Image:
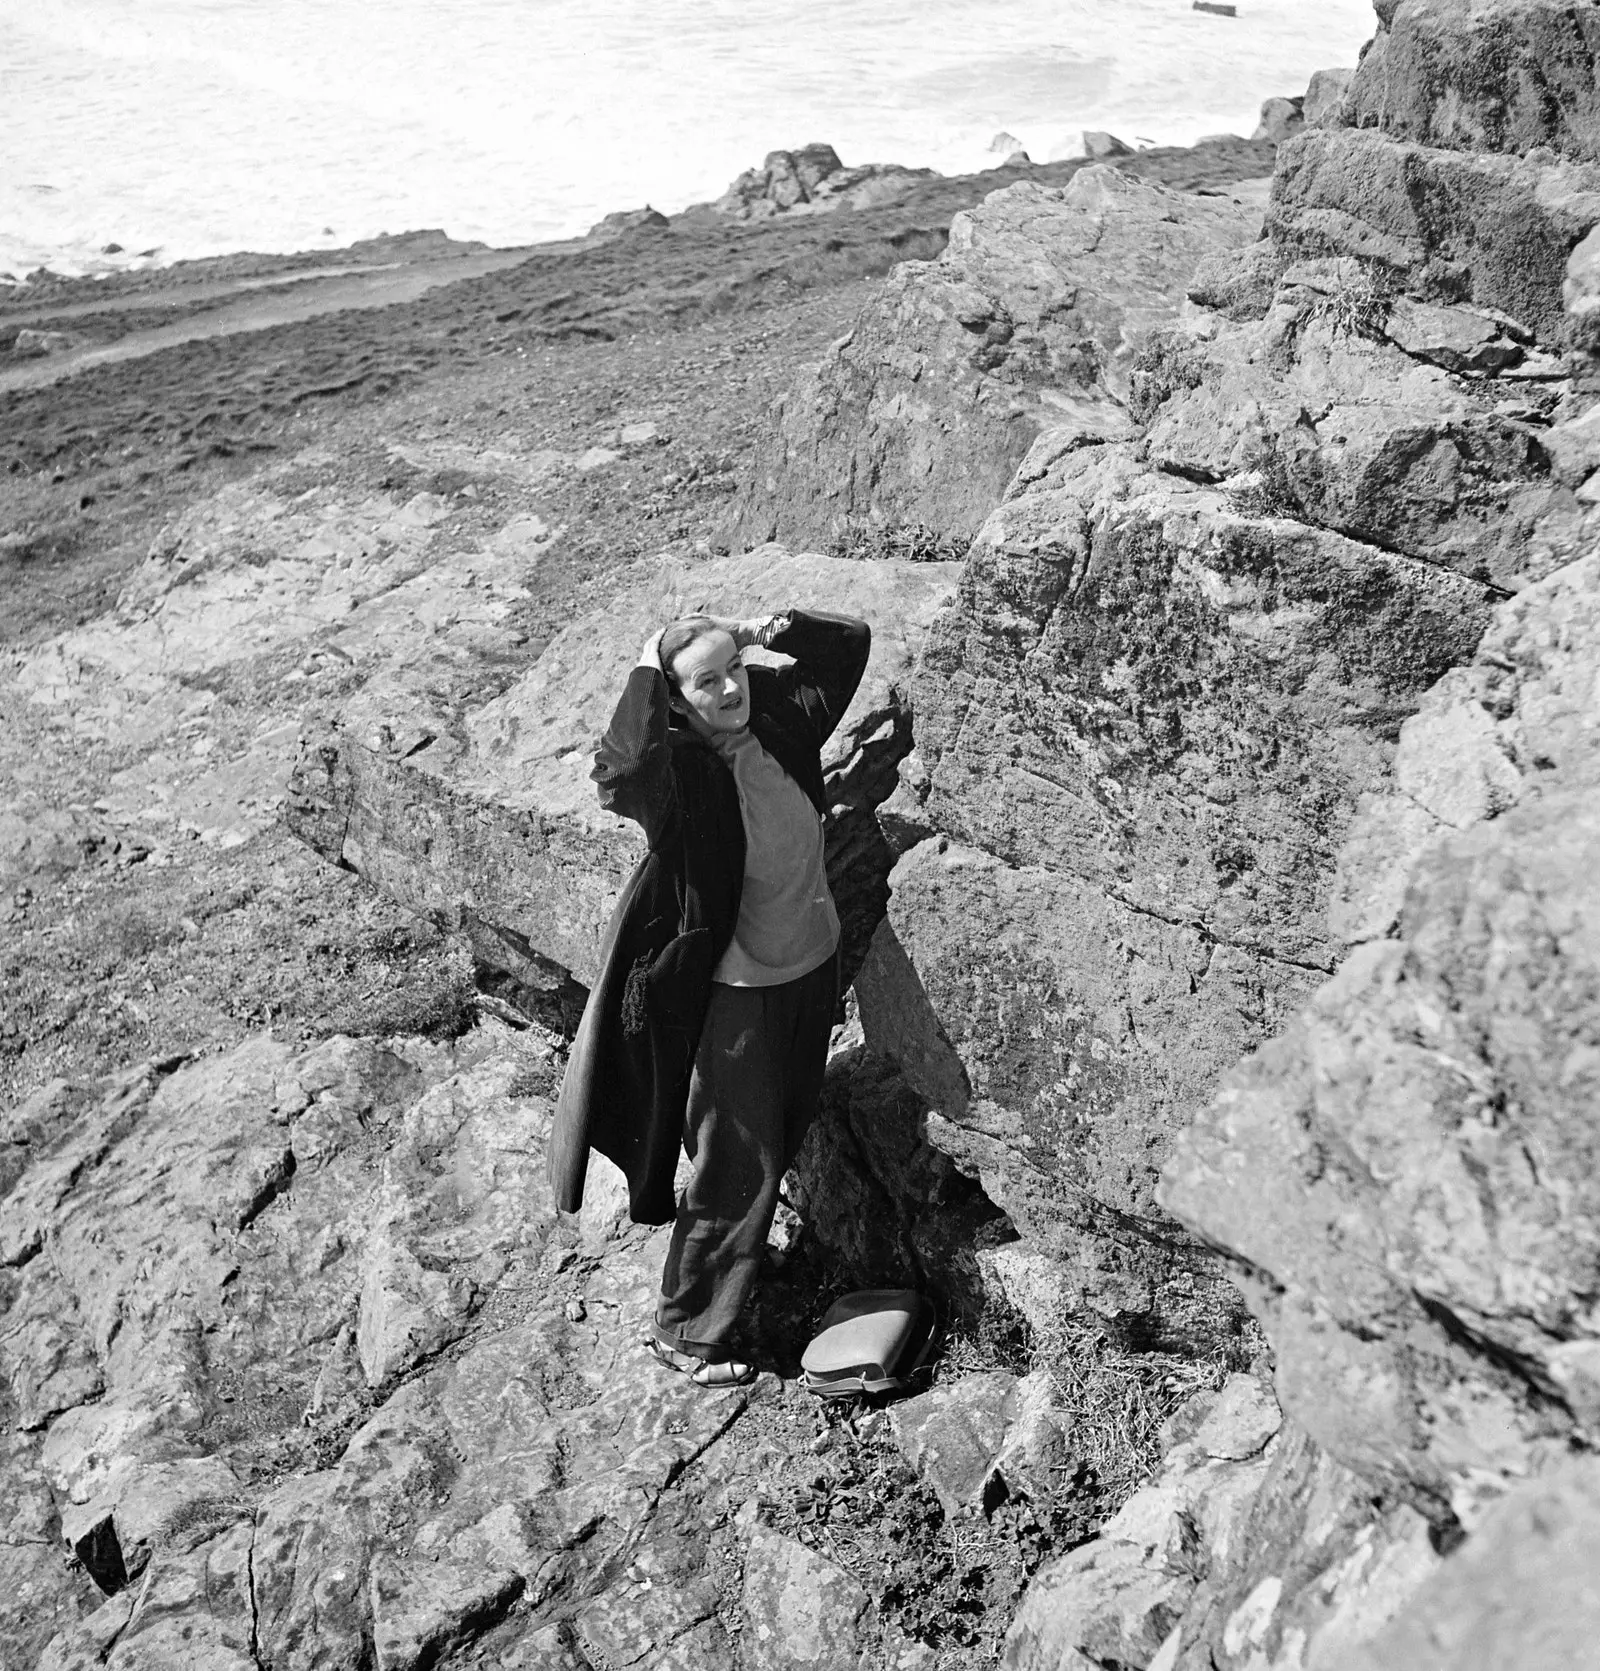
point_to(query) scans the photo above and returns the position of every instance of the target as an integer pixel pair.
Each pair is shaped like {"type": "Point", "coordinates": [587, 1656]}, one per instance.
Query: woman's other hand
{"type": "Point", "coordinates": [650, 655]}
{"type": "Point", "coordinates": [744, 633]}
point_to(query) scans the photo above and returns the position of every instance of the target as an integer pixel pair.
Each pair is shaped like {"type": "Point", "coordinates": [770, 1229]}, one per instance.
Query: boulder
{"type": "Point", "coordinates": [1324, 98]}
{"type": "Point", "coordinates": [625, 221]}
{"type": "Point", "coordinates": [500, 834]}
{"type": "Point", "coordinates": [32, 344]}
{"type": "Point", "coordinates": [1483, 75]}
{"type": "Point", "coordinates": [1102, 147]}
{"type": "Point", "coordinates": [921, 414]}
{"type": "Point", "coordinates": [891, 1209]}
{"type": "Point", "coordinates": [1239, 283]}
{"type": "Point", "coordinates": [1580, 293]}
{"type": "Point", "coordinates": [1105, 1603]}
{"type": "Point", "coordinates": [1281, 119]}
{"type": "Point", "coordinates": [1492, 230]}
{"type": "Point", "coordinates": [1406, 1175]}
{"type": "Point", "coordinates": [1142, 729]}
{"type": "Point", "coordinates": [952, 1435]}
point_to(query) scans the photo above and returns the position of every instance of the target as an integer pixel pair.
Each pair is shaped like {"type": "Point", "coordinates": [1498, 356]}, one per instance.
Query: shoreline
{"type": "Point", "coordinates": [77, 324]}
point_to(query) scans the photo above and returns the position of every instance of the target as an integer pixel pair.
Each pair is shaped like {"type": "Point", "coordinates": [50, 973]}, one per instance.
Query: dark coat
{"type": "Point", "coordinates": [627, 1080]}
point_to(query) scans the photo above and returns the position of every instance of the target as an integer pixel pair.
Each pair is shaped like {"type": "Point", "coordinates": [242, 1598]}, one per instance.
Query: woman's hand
{"type": "Point", "coordinates": [650, 655]}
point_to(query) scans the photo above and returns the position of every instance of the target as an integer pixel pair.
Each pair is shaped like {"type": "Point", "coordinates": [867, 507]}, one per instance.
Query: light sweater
{"type": "Point", "coordinates": [787, 923]}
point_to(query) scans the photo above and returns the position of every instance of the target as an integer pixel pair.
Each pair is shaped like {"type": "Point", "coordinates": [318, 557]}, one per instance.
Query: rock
{"type": "Point", "coordinates": [888, 1206]}
{"type": "Point", "coordinates": [1281, 119]}
{"type": "Point", "coordinates": [419, 1615]}
{"type": "Point", "coordinates": [193, 1609]}
{"type": "Point", "coordinates": [1101, 1604]}
{"type": "Point", "coordinates": [526, 1477]}
{"type": "Point", "coordinates": [1345, 429]}
{"type": "Point", "coordinates": [38, 1598]}
{"type": "Point", "coordinates": [32, 344]}
{"type": "Point", "coordinates": [1520, 1592]}
{"type": "Point", "coordinates": [1368, 1123]}
{"type": "Point", "coordinates": [1459, 339]}
{"type": "Point", "coordinates": [921, 414]}
{"type": "Point", "coordinates": [1101, 147]}
{"type": "Point", "coordinates": [1580, 292]}
{"type": "Point", "coordinates": [812, 181]}
{"type": "Point", "coordinates": [1125, 888]}
{"type": "Point", "coordinates": [666, 1606]}
{"type": "Point", "coordinates": [1295, 1564]}
{"type": "Point", "coordinates": [801, 1612]}
{"type": "Point", "coordinates": [504, 838]}
{"type": "Point", "coordinates": [952, 1435]}
{"type": "Point", "coordinates": [309, 590]}
{"type": "Point", "coordinates": [1484, 739]}
{"type": "Point", "coordinates": [1231, 1425]}
{"type": "Point", "coordinates": [1036, 1449]}
{"type": "Point", "coordinates": [1010, 151]}
{"type": "Point", "coordinates": [1505, 75]}
{"type": "Point", "coordinates": [625, 222]}
{"type": "Point", "coordinates": [1492, 230]}
{"type": "Point", "coordinates": [1324, 98]}
{"type": "Point", "coordinates": [1239, 283]}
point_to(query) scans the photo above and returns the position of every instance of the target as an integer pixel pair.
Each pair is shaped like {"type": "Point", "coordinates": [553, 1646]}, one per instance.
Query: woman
{"type": "Point", "coordinates": [710, 1018]}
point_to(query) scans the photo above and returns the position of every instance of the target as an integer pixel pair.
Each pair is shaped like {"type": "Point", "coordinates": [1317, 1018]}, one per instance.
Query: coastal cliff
{"type": "Point", "coordinates": [1213, 835]}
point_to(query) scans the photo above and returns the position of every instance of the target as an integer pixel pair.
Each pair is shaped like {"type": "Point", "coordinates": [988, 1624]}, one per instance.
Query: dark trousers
{"type": "Point", "coordinates": [752, 1098]}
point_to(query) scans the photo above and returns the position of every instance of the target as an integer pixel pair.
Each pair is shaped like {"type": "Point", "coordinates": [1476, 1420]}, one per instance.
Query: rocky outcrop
{"type": "Point", "coordinates": [1035, 310]}
{"type": "Point", "coordinates": [813, 180]}
{"type": "Point", "coordinates": [1402, 1171]}
{"type": "Point", "coordinates": [1385, 419]}
{"type": "Point", "coordinates": [496, 831]}
{"type": "Point", "coordinates": [1142, 729]}
{"type": "Point", "coordinates": [1482, 75]}
{"type": "Point", "coordinates": [1450, 226]}
{"type": "Point", "coordinates": [1521, 1592]}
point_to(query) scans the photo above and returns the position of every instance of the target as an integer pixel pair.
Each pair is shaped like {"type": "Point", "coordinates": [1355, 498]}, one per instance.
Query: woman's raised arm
{"type": "Point", "coordinates": [632, 765]}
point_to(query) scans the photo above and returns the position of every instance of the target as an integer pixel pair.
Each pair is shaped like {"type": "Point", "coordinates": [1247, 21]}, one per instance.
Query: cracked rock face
{"type": "Point", "coordinates": [922, 414]}
{"type": "Point", "coordinates": [1143, 727]}
{"type": "Point", "coordinates": [1408, 1170]}
{"type": "Point", "coordinates": [1482, 75]}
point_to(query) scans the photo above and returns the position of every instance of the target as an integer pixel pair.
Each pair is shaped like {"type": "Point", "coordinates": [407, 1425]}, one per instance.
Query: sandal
{"type": "Point", "coordinates": [729, 1373]}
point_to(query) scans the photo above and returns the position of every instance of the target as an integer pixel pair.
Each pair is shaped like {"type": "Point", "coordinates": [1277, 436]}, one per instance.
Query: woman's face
{"type": "Point", "coordinates": [713, 686]}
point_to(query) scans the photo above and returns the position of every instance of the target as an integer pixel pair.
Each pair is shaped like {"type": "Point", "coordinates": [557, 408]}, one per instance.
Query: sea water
{"type": "Point", "coordinates": [178, 128]}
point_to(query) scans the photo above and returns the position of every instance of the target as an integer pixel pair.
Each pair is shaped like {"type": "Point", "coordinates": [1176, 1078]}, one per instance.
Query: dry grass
{"type": "Point", "coordinates": [1117, 1400]}
{"type": "Point", "coordinates": [912, 542]}
{"type": "Point", "coordinates": [1359, 306]}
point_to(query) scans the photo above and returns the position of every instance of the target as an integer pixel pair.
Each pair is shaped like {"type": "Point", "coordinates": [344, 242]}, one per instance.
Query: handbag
{"type": "Point", "coordinates": [872, 1341]}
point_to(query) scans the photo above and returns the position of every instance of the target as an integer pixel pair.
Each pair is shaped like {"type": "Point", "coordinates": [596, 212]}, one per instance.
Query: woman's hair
{"type": "Point", "coordinates": [677, 638]}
